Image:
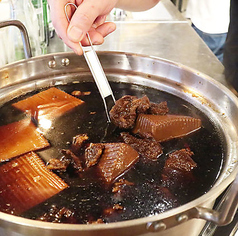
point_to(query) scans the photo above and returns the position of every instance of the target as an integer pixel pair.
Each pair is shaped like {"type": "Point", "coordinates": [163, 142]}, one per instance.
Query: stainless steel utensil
{"type": "Point", "coordinates": [97, 71]}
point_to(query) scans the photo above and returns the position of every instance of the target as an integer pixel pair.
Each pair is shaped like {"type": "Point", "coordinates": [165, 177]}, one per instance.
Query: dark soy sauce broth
{"type": "Point", "coordinates": [87, 195]}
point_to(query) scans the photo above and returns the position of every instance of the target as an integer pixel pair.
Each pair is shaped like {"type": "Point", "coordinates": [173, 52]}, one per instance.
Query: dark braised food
{"type": "Point", "coordinates": [177, 172]}
{"type": "Point", "coordinates": [126, 109]}
{"type": "Point", "coordinates": [158, 108]}
{"type": "Point", "coordinates": [165, 127]}
{"type": "Point", "coordinates": [48, 104]}
{"type": "Point", "coordinates": [146, 147]}
{"type": "Point", "coordinates": [56, 215]}
{"type": "Point", "coordinates": [146, 166]}
{"type": "Point", "coordinates": [24, 135]}
{"type": "Point", "coordinates": [124, 112]}
{"type": "Point", "coordinates": [116, 159]}
{"type": "Point", "coordinates": [93, 153]}
{"type": "Point", "coordinates": [26, 182]}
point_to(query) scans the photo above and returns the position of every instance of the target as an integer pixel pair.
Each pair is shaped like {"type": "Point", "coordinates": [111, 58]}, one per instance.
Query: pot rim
{"type": "Point", "coordinates": [144, 220]}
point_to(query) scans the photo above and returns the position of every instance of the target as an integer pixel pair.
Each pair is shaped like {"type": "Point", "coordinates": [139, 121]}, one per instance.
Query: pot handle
{"type": "Point", "coordinates": [226, 209]}
{"type": "Point", "coordinates": [24, 35]}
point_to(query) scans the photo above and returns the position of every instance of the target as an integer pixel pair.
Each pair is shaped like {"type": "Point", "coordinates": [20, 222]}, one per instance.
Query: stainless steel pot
{"type": "Point", "coordinates": [203, 92]}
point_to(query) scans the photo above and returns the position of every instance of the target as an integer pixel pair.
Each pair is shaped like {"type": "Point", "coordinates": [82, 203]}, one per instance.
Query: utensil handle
{"type": "Point", "coordinates": [24, 35]}
{"type": "Point", "coordinates": [98, 74]}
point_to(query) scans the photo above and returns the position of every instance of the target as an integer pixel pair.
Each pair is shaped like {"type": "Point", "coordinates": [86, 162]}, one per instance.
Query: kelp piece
{"type": "Point", "coordinates": [26, 182]}
{"type": "Point", "coordinates": [115, 160]}
{"type": "Point", "coordinates": [18, 138]}
{"type": "Point", "coordinates": [165, 127]}
{"type": "Point", "coordinates": [48, 104]}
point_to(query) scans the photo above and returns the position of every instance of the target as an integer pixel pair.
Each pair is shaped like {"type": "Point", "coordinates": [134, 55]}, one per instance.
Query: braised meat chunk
{"type": "Point", "coordinates": [142, 104]}
{"type": "Point", "coordinates": [58, 165]}
{"type": "Point", "coordinates": [93, 153]}
{"type": "Point", "coordinates": [177, 173]}
{"type": "Point", "coordinates": [115, 160]}
{"type": "Point", "coordinates": [78, 142]}
{"type": "Point", "coordinates": [158, 108]}
{"type": "Point", "coordinates": [123, 114]}
{"type": "Point", "coordinates": [146, 147]}
{"type": "Point", "coordinates": [75, 161]}
{"type": "Point", "coordinates": [181, 160]}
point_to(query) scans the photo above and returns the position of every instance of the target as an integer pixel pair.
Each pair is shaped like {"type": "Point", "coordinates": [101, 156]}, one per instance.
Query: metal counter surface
{"type": "Point", "coordinates": [175, 41]}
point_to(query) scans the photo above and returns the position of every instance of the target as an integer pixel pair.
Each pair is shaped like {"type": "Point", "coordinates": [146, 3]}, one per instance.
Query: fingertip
{"type": "Point", "coordinates": [111, 28]}
{"type": "Point", "coordinates": [106, 28]}
{"type": "Point", "coordinates": [97, 39]}
{"type": "Point", "coordinates": [78, 51]}
{"type": "Point", "coordinates": [76, 47]}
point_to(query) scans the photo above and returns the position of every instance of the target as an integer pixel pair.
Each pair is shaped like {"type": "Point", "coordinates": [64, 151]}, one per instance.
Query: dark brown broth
{"type": "Point", "coordinates": [87, 195]}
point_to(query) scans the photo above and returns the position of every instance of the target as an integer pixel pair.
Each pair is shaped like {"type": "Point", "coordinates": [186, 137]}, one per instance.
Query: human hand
{"type": "Point", "coordinates": [89, 17]}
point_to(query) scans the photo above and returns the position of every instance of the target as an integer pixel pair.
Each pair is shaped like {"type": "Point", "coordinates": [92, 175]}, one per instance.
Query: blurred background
{"type": "Point", "coordinates": [36, 17]}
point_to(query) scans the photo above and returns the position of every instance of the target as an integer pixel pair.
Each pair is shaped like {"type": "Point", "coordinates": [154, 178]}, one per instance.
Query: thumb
{"type": "Point", "coordinates": [82, 20]}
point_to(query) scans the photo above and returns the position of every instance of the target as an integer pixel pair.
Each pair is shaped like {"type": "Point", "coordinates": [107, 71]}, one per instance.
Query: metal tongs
{"type": "Point", "coordinates": [97, 72]}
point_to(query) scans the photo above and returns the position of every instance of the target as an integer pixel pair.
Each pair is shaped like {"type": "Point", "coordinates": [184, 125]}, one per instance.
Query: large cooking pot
{"type": "Point", "coordinates": [209, 96]}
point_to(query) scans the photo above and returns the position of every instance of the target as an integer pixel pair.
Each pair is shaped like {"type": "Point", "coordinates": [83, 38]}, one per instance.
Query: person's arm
{"type": "Point", "coordinates": [136, 5]}
{"type": "Point", "coordinates": [89, 17]}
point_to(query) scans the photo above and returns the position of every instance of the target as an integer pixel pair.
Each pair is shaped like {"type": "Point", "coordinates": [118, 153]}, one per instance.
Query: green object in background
{"type": "Point", "coordinates": [36, 3]}
{"type": "Point", "coordinates": [45, 19]}
{"type": "Point", "coordinates": [41, 7]}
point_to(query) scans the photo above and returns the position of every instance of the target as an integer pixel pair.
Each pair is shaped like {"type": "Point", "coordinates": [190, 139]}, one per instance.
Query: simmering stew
{"type": "Point", "coordinates": [172, 154]}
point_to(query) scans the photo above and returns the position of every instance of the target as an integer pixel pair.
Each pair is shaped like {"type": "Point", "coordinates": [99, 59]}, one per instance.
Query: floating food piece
{"type": "Point", "coordinates": [98, 221]}
{"type": "Point", "coordinates": [143, 104]}
{"type": "Point", "coordinates": [26, 182]}
{"type": "Point", "coordinates": [74, 160]}
{"type": "Point", "coordinates": [93, 154]}
{"type": "Point", "coordinates": [120, 185]}
{"type": "Point", "coordinates": [158, 108]}
{"type": "Point", "coordinates": [78, 93]}
{"type": "Point", "coordinates": [58, 165]}
{"type": "Point", "coordinates": [112, 210]}
{"type": "Point", "coordinates": [68, 160]}
{"type": "Point", "coordinates": [146, 147]}
{"type": "Point", "coordinates": [48, 104]}
{"type": "Point", "coordinates": [123, 114]}
{"type": "Point", "coordinates": [58, 215]}
{"type": "Point", "coordinates": [115, 160]}
{"type": "Point", "coordinates": [165, 127]}
{"type": "Point", "coordinates": [78, 142]}
{"type": "Point", "coordinates": [18, 138]}
{"type": "Point", "coordinates": [181, 160]}
{"type": "Point", "coordinates": [177, 173]}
